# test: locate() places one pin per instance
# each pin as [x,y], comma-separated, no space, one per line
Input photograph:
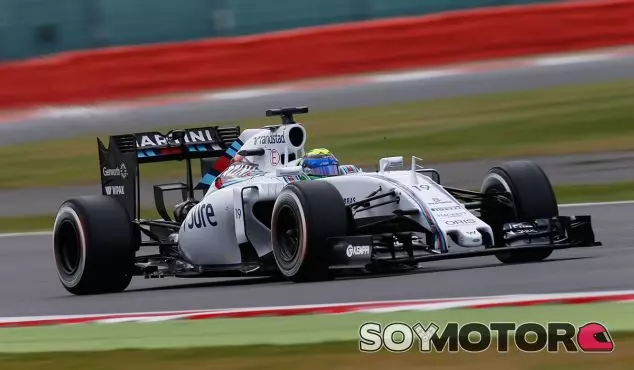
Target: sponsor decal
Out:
[154,139]
[115,190]
[269,139]
[451,214]
[443,209]
[357,250]
[460,222]
[348,168]
[119,171]
[440,201]
[202,216]
[295,178]
[520,228]
[349,200]
[528,337]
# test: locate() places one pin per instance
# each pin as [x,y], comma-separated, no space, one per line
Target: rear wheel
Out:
[94,245]
[532,196]
[305,215]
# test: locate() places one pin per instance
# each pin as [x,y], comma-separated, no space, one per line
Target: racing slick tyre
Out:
[94,245]
[532,197]
[304,216]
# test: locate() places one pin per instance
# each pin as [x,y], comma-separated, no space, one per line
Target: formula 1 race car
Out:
[261,215]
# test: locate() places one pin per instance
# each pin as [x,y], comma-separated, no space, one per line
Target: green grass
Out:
[595,192]
[309,342]
[45,222]
[572,119]
[332,356]
[565,194]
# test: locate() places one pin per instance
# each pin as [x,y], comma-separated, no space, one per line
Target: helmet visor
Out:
[325,170]
[321,166]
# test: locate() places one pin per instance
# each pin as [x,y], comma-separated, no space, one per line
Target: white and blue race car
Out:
[261,214]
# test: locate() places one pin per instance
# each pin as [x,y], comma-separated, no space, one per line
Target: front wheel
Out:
[532,197]
[305,215]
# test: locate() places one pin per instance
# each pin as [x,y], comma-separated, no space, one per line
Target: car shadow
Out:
[348,275]
[425,269]
[232,282]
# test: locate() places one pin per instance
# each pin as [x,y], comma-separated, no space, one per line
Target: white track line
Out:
[596,204]
[31,233]
[244,94]
[416,75]
[572,59]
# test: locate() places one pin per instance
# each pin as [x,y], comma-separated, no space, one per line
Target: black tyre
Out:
[533,197]
[94,245]
[305,214]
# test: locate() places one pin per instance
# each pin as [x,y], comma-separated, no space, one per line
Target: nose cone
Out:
[467,237]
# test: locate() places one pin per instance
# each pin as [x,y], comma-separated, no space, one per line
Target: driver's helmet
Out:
[320,162]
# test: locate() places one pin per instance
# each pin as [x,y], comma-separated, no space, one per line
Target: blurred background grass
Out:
[571,119]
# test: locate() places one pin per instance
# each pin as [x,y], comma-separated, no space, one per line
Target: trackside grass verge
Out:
[332,356]
[565,194]
[573,119]
[44,222]
[313,341]
[595,192]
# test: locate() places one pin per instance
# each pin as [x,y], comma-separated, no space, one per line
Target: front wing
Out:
[561,232]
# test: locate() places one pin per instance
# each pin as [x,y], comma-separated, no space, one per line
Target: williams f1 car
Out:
[259,214]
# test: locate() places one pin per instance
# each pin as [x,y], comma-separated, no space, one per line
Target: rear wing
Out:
[119,162]
[192,143]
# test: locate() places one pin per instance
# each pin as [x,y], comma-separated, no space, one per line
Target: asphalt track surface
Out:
[30,287]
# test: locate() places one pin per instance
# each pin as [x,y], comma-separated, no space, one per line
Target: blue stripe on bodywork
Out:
[208,179]
[231,151]
[422,206]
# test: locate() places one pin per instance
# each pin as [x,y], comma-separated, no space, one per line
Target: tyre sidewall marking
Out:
[303,241]
[68,211]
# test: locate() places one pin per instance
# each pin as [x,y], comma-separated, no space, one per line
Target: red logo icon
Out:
[275,157]
[594,337]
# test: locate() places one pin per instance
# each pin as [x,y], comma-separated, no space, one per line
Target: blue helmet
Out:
[320,162]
